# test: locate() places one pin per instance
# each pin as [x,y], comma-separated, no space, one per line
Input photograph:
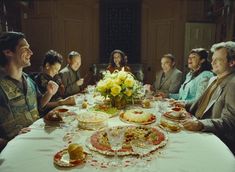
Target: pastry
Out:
[75,152]
[84,104]
[169,125]
[146,103]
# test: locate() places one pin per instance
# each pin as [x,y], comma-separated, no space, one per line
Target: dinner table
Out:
[184,151]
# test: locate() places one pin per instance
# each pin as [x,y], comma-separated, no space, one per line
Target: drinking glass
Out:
[71,135]
[116,137]
[91,89]
[142,147]
[90,99]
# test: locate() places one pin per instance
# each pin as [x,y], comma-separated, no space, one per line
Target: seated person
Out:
[70,75]
[215,109]
[20,99]
[51,66]
[118,61]
[169,79]
[197,79]
[3,143]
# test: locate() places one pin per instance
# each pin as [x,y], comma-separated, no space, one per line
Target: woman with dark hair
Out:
[51,65]
[197,79]
[117,61]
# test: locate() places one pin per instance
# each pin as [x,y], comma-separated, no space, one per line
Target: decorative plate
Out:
[99,140]
[176,116]
[61,159]
[170,126]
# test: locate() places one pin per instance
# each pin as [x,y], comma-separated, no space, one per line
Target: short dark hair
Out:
[229,46]
[201,52]
[52,57]
[169,56]
[9,41]
[73,54]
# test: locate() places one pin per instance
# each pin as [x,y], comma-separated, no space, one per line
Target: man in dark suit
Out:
[215,110]
[169,79]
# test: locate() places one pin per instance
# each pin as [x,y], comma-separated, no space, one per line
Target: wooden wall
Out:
[162,32]
[63,26]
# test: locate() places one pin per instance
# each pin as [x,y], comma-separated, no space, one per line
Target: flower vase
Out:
[118,102]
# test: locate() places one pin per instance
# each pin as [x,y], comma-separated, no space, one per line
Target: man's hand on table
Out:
[192,125]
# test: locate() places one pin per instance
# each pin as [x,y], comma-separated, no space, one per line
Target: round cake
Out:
[92,120]
[137,115]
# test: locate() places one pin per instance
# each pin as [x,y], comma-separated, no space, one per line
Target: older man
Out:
[215,109]
[71,76]
[169,79]
[18,93]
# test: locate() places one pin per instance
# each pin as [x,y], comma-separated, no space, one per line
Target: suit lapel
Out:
[159,80]
[214,98]
[217,93]
[167,77]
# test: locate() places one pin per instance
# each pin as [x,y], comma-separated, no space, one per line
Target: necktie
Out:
[205,99]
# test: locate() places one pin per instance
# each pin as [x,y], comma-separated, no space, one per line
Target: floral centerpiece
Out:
[121,87]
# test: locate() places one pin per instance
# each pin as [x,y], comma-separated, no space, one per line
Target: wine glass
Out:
[116,137]
[71,131]
[79,99]
[90,99]
[91,89]
[142,147]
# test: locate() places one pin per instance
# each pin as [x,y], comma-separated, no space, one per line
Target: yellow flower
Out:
[119,84]
[108,83]
[122,75]
[129,82]
[101,87]
[115,90]
[117,81]
[128,92]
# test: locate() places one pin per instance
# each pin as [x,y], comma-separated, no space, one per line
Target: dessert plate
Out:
[61,159]
[176,116]
[99,140]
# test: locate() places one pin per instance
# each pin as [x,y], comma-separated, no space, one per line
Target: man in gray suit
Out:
[169,79]
[215,110]
[70,75]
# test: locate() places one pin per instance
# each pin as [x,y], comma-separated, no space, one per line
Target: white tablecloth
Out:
[185,152]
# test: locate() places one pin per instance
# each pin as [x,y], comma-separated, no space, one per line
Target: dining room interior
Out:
[117,85]
[143,29]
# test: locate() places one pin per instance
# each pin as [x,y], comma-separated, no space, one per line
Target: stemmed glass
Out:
[116,137]
[79,99]
[89,96]
[71,131]
[142,147]
[91,89]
